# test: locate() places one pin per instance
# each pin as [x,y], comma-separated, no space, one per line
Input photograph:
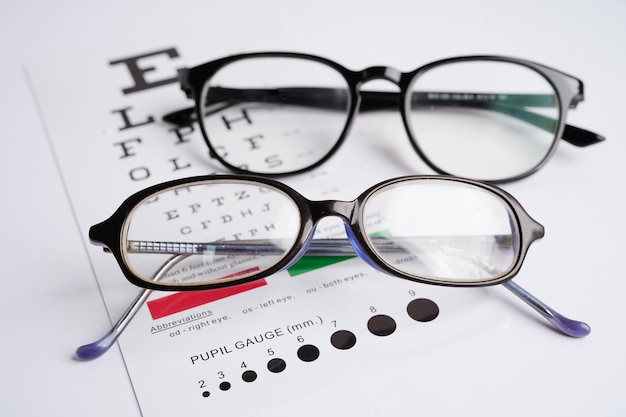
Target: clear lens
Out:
[486,120]
[215,230]
[442,230]
[275,115]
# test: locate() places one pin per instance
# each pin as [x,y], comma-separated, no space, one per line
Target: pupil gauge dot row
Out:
[420,309]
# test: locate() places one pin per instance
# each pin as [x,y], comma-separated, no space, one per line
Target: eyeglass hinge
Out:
[183,79]
[576,99]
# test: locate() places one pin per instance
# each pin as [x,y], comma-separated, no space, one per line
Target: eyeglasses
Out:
[483,117]
[219,231]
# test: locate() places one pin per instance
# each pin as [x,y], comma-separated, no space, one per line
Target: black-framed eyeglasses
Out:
[489,118]
[218,231]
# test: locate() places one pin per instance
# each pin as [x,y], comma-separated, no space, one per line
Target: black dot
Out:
[381,325]
[205,394]
[276,365]
[343,339]
[422,309]
[308,353]
[249,376]
[225,386]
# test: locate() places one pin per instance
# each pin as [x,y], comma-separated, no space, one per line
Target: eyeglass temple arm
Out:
[318,247]
[512,105]
[342,247]
[566,325]
[220,98]
[101,346]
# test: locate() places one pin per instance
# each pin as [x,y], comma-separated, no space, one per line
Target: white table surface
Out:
[579,196]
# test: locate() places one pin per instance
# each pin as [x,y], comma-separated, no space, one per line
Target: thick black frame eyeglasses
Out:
[489,118]
[430,229]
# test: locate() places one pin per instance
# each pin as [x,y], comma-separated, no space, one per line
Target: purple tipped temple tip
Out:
[96,349]
[570,327]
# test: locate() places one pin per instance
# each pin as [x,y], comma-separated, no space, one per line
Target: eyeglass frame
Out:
[109,235]
[569,91]
[111,232]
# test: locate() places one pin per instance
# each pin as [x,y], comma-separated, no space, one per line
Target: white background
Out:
[49,301]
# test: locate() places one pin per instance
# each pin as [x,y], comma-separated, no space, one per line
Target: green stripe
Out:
[311,263]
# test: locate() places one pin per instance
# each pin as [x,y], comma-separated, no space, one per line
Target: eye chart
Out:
[249,349]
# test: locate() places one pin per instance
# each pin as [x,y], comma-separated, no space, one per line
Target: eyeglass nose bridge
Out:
[380,73]
[378,100]
[325,208]
[346,211]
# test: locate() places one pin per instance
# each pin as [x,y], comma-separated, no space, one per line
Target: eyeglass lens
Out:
[285,114]
[229,230]
[441,230]
[483,119]
[489,120]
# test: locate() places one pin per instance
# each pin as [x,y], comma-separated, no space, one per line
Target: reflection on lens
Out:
[486,120]
[220,231]
[274,115]
[442,230]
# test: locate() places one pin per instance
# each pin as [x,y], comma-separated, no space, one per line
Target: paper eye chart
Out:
[248,349]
